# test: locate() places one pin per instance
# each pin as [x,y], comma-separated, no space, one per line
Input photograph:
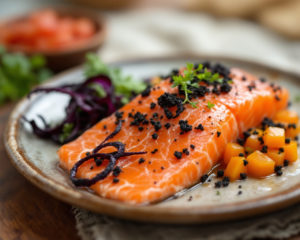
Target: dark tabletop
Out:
[25,211]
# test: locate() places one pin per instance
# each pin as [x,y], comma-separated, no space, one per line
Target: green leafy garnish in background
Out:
[18,74]
[190,74]
[124,85]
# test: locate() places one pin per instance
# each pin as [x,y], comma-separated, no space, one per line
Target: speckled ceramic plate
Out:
[37,160]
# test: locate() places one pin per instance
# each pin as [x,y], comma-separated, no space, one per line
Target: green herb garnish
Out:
[18,74]
[66,131]
[210,105]
[124,85]
[191,78]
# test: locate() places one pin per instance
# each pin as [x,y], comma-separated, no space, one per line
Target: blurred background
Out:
[265,31]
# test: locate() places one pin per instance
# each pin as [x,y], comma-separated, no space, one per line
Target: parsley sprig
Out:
[190,74]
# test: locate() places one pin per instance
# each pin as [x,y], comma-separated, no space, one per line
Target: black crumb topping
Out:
[218,184]
[261,140]
[116,180]
[192,146]
[241,155]
[243,176]
[246,134]
[286,163]
[152,105]
[184,126]
[218,134]
[225,87]
[280,150]
[240,192]
[241,141]
[141,128]
[167,125]
[262,79]
[154,151]
[264,149]
[200,127]
[156,124]
[225,181]
[138,118]
[154,136]
[204,178]
[220,173]
[244,78]
[141,160]
[186,151]
[278,170]
[245,162]
[146,92]
[167,101]
[178,155]
[116,171]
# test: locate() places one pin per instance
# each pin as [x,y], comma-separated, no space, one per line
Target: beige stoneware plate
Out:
[37,160]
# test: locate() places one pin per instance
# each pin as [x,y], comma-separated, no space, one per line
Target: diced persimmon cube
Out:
[286,116]
[274,137]
[232,150]
[292,131]
[260,165]
[277,156]
[252,143]
[291,151]
[235,167]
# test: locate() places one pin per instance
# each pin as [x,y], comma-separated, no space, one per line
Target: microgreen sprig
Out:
[190,74]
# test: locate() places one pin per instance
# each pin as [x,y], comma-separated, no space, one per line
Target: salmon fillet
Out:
[162,172]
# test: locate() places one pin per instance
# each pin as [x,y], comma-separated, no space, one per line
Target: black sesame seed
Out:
[154,136]
[116,171]
[200,127]
[218,184]
[116,180]
[245,162]
[186,151]
[218,134]
[141,160]
[240,192]
[225,181]
[192,146]
[141,129]
[167,125]
[287,140]
[286,163]
[241,155]
[152,105]
[244,78]
[280,150]
[154,151]
[264,149]
[243,176]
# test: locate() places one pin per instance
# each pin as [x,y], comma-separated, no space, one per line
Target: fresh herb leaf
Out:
[66,131]
[125,86]
[19,73]
[210,105]
[187,79]
[99,90]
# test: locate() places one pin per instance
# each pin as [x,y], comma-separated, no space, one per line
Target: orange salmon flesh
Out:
[162,174]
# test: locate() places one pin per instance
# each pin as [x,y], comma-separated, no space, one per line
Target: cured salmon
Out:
[179,149]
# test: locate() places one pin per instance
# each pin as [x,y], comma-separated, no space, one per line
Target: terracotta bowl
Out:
[71,56]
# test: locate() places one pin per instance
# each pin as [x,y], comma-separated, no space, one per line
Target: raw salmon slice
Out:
[178,152]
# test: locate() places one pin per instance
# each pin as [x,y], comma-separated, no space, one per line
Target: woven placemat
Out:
[277,225]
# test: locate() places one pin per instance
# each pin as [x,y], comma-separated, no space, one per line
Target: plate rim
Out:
[174,215]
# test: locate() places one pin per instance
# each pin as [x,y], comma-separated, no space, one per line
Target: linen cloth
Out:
[168,32]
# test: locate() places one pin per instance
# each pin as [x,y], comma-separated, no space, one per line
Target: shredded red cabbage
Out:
[90,101]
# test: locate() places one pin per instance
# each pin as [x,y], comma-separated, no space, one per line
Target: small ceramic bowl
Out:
[71,56]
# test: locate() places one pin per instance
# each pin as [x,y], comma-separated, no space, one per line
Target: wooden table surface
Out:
[25,211]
